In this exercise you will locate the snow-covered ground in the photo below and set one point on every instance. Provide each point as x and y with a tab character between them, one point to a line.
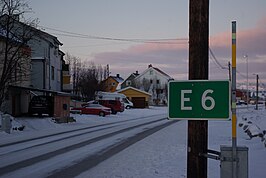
162	154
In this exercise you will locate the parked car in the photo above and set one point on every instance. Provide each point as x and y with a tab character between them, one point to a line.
114	96
241	102
92	108
128	104
41	105
115	105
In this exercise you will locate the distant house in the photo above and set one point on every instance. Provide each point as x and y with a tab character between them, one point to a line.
154	81
112	83
139	98
130	81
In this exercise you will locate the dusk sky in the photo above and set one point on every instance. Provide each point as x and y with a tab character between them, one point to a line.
155	19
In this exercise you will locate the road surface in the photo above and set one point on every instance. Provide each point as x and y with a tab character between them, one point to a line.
70	152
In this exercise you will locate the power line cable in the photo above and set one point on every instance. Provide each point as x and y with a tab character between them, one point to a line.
242	75
222	67
216	61
159	41
262	84
92	45
217	66
123	40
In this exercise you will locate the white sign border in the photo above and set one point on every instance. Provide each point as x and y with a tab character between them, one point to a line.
199	119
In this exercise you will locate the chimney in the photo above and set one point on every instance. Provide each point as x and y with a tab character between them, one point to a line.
137	72
149	66
117	75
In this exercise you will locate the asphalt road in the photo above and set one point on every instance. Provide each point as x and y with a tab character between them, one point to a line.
29	157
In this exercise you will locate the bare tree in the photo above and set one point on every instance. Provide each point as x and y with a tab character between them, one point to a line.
86	76
15	33
90	80
75	69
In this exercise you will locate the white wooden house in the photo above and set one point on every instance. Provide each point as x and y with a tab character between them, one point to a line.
154	81
44	73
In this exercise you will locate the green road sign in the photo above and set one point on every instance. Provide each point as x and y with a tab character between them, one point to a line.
199	100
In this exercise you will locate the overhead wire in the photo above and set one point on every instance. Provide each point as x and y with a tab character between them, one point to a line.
158	41
263	85
92	45
220	65
216	61
242	75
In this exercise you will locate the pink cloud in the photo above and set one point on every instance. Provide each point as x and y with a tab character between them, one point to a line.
220	40
262	22
173	58
251	41
166	45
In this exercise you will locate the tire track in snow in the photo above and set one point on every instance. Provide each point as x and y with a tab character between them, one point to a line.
97	158
28	162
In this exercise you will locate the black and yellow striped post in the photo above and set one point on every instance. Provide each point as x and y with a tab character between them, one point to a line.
234	119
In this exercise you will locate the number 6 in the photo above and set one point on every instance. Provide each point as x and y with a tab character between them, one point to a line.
205	98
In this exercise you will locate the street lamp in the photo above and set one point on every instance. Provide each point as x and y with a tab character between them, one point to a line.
246	56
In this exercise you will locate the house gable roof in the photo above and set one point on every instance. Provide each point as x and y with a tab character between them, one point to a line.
42	33
133	76
117	79
166	76
163	73
132	88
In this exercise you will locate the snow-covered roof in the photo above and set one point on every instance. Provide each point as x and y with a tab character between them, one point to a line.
127	88
117	78
157	70
40	32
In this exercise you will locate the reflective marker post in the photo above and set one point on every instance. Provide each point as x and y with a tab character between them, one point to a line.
234	160
234	119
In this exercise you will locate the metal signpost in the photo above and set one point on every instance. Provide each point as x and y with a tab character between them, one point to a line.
199	100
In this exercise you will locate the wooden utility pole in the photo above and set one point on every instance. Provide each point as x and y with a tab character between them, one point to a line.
198	70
